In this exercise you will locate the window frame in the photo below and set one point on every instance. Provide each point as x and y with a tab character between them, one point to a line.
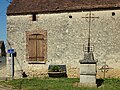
39	32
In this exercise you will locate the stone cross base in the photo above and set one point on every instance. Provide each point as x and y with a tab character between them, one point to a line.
88	74
88	80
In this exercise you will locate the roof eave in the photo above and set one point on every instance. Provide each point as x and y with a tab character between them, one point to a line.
62	11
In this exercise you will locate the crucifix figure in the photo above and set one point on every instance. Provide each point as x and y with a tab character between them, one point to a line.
90	17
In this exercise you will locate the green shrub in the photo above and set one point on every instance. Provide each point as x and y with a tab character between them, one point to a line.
55	68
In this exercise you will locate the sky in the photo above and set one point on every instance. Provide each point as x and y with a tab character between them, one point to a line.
3	7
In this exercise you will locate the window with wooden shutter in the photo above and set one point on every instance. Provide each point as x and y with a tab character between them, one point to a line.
37	48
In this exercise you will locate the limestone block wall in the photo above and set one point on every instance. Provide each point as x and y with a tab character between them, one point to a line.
66	34
3	69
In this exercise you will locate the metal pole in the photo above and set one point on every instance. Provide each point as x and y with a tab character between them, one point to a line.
89	32
12	66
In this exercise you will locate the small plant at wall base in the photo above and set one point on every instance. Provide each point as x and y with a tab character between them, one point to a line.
55	68
56	71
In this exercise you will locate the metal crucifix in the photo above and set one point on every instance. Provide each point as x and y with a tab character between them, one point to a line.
90	18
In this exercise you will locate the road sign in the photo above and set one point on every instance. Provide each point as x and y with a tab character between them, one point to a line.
11	51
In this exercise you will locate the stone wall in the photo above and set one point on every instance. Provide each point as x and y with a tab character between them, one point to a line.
3	69
66	34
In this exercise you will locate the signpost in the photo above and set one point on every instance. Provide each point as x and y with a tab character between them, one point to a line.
11	52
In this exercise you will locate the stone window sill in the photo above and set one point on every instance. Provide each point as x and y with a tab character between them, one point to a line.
36	62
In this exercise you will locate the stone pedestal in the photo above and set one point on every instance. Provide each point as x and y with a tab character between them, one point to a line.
88	74
88	70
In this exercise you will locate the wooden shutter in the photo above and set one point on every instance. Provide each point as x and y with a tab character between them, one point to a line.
32	48
40	47
37	48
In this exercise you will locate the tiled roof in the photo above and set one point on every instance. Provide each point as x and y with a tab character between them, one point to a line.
46	6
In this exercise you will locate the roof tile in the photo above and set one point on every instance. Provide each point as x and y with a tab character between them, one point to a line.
43	6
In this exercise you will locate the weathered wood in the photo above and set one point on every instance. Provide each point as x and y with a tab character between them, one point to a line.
37	47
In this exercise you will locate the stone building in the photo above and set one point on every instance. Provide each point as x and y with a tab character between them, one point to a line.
46	32
2	49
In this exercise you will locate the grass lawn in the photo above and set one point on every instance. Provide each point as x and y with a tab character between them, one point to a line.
58	84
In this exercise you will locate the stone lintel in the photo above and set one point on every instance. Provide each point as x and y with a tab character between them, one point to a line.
88	74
